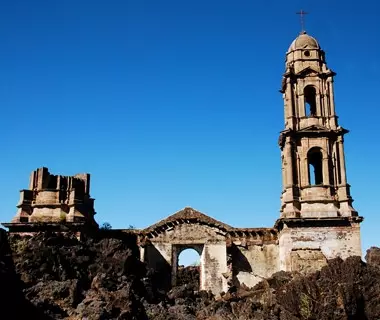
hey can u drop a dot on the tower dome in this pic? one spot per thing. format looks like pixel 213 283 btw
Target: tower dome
pixel 304 41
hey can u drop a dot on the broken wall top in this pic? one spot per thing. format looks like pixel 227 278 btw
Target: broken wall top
pixel 190 216
pixel 41 179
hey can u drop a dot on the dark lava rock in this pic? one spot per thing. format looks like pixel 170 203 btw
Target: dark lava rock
pixel 59 277
pixel 13 304
pixel 188 276
pixel 63 277
pixel 347 289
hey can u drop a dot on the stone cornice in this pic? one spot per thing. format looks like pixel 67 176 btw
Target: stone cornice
pixel 317 222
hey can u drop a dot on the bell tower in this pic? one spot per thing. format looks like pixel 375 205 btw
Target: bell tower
pixel 317 220
pixel 312 151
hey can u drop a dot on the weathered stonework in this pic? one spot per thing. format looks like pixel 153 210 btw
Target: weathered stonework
pixel 317 221
pixel 55 199
pixel 313 164
pixel 300 240
pixel 228 255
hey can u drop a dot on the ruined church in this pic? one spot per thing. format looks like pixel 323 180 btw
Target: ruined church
pixel 317 220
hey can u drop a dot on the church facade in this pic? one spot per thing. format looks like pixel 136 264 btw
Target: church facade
pixel 317 221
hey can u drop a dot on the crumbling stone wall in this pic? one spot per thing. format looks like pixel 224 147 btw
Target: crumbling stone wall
pixel 213 265
pixel 55 198
pixel 228 256
pixel 164 248
pixel 236 256
pixel 307 248
pixel 253 263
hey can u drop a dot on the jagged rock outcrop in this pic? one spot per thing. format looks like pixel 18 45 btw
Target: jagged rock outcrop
pixel 93 279
pixel 13 304
pixel 58 277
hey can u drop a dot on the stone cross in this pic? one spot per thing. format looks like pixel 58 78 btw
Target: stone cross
pixel 302 17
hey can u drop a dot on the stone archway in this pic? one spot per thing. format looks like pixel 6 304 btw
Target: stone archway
pixel 177 249
pixel 188 258
pixel 188 229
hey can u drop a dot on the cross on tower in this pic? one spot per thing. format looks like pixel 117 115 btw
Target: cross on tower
pixel 302 14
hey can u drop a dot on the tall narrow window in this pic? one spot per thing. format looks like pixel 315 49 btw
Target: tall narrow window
pixel 314 158
pixel 310 97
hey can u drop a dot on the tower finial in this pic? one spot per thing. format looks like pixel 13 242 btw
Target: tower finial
pixel 302 17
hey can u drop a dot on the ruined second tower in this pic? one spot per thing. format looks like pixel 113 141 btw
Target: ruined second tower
pixel 52 201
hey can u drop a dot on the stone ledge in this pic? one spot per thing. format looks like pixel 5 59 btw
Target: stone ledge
pixel 17 227
pixel 317 222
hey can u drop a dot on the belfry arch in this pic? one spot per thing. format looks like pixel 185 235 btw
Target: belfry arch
pixel 315 166
pixel 310 101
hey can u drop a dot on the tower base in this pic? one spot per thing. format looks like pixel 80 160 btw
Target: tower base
pixel 306 244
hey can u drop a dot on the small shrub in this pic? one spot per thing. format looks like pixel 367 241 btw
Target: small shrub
pixel 106 226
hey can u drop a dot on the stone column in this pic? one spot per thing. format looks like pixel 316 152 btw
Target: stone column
pixel 325 165
pixel 318 106
pixel 341 161
pixel 288 101
pixel 332 103
pixel 283 171
pixel 299 174
pixel 289 166
pixel 336 164
pixel 325 170
pixel 333 122
pixel 304 172
pixel 295 102
pixel 326 105
pixel 301 106
pixel 174 264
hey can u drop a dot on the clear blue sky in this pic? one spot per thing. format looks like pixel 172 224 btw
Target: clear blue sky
pixel 175 103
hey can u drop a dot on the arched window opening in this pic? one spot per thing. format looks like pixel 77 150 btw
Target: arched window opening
pixel 188 268
pixel 310 96
pixel 314 158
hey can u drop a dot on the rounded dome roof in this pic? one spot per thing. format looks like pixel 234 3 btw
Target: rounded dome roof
pixel 304 41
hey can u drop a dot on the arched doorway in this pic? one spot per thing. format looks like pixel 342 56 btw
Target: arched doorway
pixel 188 270
pixel 187 264
pixel 189 257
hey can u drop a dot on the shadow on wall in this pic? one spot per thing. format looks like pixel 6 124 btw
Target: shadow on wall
pixel 159 268
pixel 239 262
pixel 13 304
